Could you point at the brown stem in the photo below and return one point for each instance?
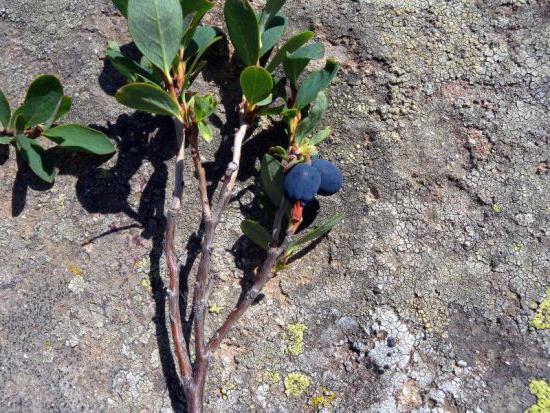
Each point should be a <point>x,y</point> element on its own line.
<point>265,274</point>
<point>172,262</point>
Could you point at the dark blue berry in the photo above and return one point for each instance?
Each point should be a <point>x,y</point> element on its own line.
<point>331,177</point>
<point>302,183</point>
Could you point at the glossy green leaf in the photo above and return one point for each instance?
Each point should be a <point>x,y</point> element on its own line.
<point>266,101</point>
<point>290,46</point>
<point>64,107</point>
<point>42,100</point>
<point>205,131</point>
<point>243,29</point>
<point>35,157</point>
<point>256,84</point>
<point>80,138</point>
<point>256,233</point>
<point>148,98</point>
<point>272,7</point>
<point>156,27</point>
<point>127,67</point>
<point>308,124</point>
<point>295,63</point>
<point>320,136</point>
<point>316,82</point>
<point>122,6</point>
<point>272,34</point>
<point>314,233</point>
<point>194,9</point>
<point>203,106</point>
<point>203,38</point>
<point>5,111</point>
<point>272,176</point>
<point>15,115</point>
<point>5,140</point>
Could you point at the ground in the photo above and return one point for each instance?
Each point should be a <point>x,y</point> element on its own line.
<point>421,301</point>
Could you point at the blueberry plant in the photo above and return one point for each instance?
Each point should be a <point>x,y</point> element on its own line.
<point>172,41</point>
<point>44,106</point>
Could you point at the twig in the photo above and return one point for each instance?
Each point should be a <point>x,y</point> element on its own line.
<point>173,292</point>
<point>265,274</point>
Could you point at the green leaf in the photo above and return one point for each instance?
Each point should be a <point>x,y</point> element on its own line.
<point>203,38</point>
<point>80,138</point>
<point>35,157</point>
<point>270,11</point>
<point>295,63</point>
<point>290,46</point>
<point>156,27</point>
<point>272,175</point>
<point>266,101</point>
<point>148,98</point>
<point>316,82</point>
<point>127,67</point>
<point>197,8</point>
<point>308,124</point>
<point>320,136</point>
<point>256,84</point>
<point>256,233</point>
<point>272,34</point>
<point>5,111</point>
<point>205,131</point>
<point>271,111</point>
<point>204,106</point>
<point>5,140</point>
<point>42,100</point>
<point>15,115</point>
<point>122,6</point>
<point>314,233</point>
<point>243,29</point>
<point>64,107</point>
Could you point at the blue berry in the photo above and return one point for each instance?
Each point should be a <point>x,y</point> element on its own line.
<point>302,183</point>
<point>331,177</point>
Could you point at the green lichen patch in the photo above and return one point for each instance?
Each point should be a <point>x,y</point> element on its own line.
<point>296,384</point>
<point>541,320</point>
<point>214,309</point>
<point>323,400</point>
<point>295,336</point>
<point>271,377</point>
<point>541,390</point>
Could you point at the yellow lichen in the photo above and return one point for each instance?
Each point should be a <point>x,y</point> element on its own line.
<point>296,384</point>
<point>541,390</point>
<point>324,399</point>
<point>541,320</point>
<point>214,309</point>
<point>141,265</point>
<point>497,208</point>
<point>75,270</point>
<point>272,377</point>
<point>145,283</point>
<point>295,335</point>
<point>226,390</point>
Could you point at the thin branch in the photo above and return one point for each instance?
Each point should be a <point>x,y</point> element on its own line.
<point>201,173</point>
<point>266,273</point>
<point>173,292</point>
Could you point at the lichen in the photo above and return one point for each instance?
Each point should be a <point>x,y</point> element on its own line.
<point>295,335</point>
<point>541,390</point>
<point>497,208</point>
<point>145,283</point>
<point>326,398</point>
<point>225,391</point>
<point>541,320</point>
<point>75,270</point>
<point>214,309</point>
<point>296,384</point>
<point>272,377</point>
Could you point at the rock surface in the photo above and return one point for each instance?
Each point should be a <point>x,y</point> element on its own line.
<point>420,301</point>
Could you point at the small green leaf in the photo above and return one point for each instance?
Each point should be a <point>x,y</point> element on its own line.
<point>295,63</point>
<point>308,124</point>
<point>15,115</point>
<point>256,84</point>
<point>156,27</point>
<point>320,136</point>
<point>205,131</point>
<point>256,233</point>
<point>35,157</point>
<point>122,6</point>
<point>204,106</point>
<point>266,101</point>
<point>64,107</point>
<point>272,34</point>
<point>5,140</point>
<point>127,67</point>
<point>5,111</point>
<point>271,111</point>
<point>315,233</point>
<point>272,175</point>
<point>290,46</point>
<point>42,100</point>
<point>203,38</point>
<point>197,9</point>
<point>278,151</point>
<point>316,82</point>
<point>243,29</point>
<point>272,7</point>
<point>80,138</point>
<point>148,98</point>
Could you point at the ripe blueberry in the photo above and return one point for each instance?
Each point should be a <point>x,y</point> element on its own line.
<point>331,177</point>
<point>302,183</point>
